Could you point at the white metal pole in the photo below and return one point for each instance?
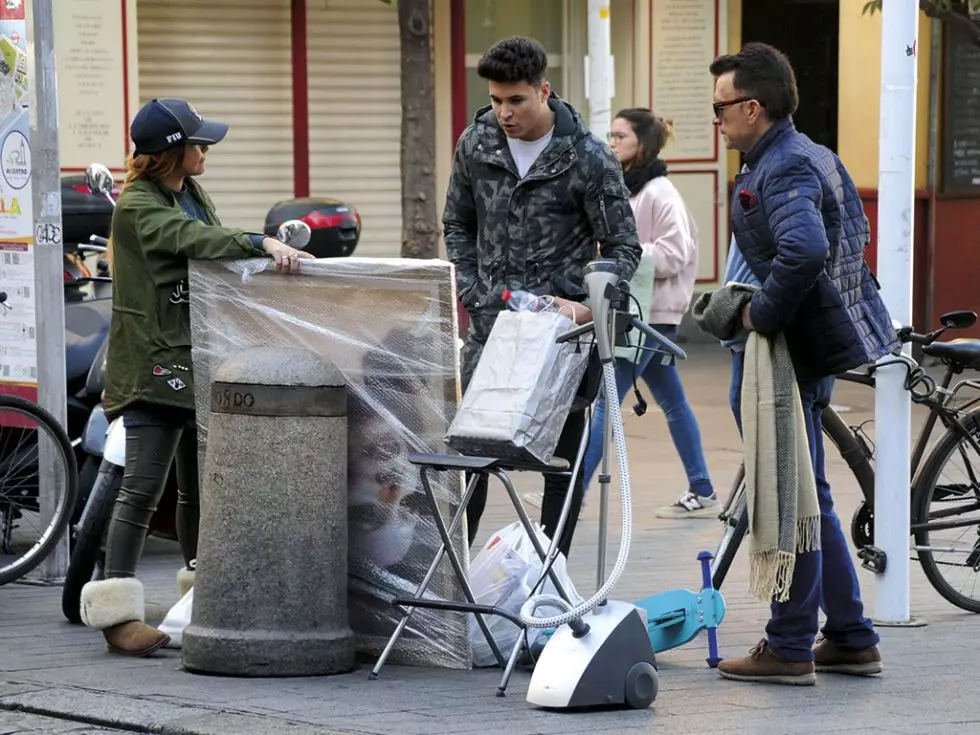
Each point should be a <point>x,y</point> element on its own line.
<point>893,408</point>
<point>599,75</point>
<point>48,264</point>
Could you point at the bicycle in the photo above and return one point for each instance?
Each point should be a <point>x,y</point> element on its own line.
<point>962,424</point>
<point>23,452</point>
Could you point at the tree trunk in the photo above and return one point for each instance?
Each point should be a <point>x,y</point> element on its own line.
<point>420,231</point>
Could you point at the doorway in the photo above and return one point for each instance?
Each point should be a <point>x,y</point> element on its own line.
<point>807,31</point>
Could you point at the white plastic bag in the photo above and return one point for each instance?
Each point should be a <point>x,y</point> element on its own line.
<point>178,617</point>
<point>502,575</point>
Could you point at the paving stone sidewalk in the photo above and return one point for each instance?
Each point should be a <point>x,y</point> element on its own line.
<point>55,676</point>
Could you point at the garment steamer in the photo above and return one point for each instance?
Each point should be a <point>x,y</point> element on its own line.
<point>602,652</point>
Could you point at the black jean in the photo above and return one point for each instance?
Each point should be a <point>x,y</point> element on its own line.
<point>555,489</point>
<point>154,441</point>
<point>555,486</point>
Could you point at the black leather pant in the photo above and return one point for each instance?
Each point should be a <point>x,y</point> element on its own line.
<point>154,441</point>
<point>555,489</point>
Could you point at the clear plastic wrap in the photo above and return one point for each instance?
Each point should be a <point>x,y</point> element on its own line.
<point>390,326</point>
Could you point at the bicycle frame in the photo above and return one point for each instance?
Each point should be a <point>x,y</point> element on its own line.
<point>938,410</point>
<point>938,404</point>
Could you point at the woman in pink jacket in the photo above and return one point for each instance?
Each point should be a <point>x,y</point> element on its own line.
<point>668,234</point>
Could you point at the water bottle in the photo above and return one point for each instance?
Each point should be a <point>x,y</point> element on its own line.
<point>525,301</point>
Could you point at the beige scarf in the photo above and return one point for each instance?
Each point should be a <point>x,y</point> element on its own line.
<point>784,513</point>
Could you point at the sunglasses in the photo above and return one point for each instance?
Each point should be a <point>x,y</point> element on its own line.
<point>720,107</point>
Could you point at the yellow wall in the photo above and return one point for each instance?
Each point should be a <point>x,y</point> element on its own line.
<point>859,89</point>
<point>734,44</point>
<point>858,94</point>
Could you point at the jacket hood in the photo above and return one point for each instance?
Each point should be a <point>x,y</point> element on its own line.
<point>568,122</point>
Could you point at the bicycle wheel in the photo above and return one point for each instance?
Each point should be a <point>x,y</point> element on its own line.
<point>947,516</point>
<point>30,438</point>
<point>736,519</point>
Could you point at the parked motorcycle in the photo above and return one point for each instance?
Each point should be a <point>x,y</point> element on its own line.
<point>88,533</point>
<point>88,308</point>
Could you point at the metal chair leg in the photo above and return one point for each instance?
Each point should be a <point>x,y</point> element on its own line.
<point>512,662</point>
<point>420,590</point>
<point>460,574</point>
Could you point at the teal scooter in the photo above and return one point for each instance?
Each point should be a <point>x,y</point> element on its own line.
<point>676,617</point>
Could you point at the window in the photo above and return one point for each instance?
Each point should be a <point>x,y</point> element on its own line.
<point>488,21</point>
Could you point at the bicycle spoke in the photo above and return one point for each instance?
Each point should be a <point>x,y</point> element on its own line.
<point>947,531</point>
<point>28,528</point>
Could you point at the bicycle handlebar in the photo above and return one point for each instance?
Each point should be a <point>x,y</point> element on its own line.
<point>907,336</point>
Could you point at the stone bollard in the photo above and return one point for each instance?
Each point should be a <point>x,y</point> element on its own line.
<point>270,594</point>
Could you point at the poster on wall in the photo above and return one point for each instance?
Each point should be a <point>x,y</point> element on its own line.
<point>90,56</point>
<point>12,10</point>
<point>684,38</point>
<point>18,322</point>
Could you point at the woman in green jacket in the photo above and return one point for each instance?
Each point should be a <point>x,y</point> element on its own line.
<point>163,219</point>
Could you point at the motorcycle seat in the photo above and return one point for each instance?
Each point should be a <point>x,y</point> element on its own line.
<point>86,328</point>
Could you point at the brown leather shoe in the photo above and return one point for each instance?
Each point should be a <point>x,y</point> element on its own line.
<point>762,665</point>
<point>134,638</point>
<point>830,659</point>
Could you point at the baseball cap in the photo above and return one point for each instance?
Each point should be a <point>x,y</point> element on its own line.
<point>162,124</point>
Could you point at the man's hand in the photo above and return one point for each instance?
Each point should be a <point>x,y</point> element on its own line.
<point>287,258</point>
<point>746,319</point>
<point>581,313</point>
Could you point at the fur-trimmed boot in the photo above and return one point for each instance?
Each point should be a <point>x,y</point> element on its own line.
<point>185,578</point>
<point>116,607</point>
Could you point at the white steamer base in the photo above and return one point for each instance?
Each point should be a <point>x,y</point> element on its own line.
<point>613,664</point>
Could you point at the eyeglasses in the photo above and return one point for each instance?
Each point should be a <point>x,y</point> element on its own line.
<point>720,107</point>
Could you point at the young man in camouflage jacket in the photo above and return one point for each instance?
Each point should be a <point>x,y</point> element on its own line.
<point>533,198</point>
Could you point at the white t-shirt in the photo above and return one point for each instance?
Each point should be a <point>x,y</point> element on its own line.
<point>526,152</point>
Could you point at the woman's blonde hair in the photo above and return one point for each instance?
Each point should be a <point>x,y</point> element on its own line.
<point>152,166</point>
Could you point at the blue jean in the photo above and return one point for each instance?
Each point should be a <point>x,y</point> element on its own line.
<point>824,579</point>
<point>665,385</point>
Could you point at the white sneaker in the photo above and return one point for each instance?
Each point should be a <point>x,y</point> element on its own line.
<point>691,505</point>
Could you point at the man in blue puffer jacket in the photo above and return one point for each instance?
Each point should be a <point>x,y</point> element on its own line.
<point>799,234</point>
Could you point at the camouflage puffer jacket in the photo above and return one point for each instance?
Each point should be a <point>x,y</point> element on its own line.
<point>537,233</point>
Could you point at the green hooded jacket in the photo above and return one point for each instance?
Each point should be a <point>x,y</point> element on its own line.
<point>149,355</point>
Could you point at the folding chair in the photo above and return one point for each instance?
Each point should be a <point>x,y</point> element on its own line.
<point>499,468</point>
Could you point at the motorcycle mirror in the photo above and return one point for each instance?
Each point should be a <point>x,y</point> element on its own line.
<point>958,319</point>
<point>98,179</point>
<point>294,233</point>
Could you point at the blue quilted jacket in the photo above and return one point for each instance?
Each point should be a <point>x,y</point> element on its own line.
<point>801,227</point>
